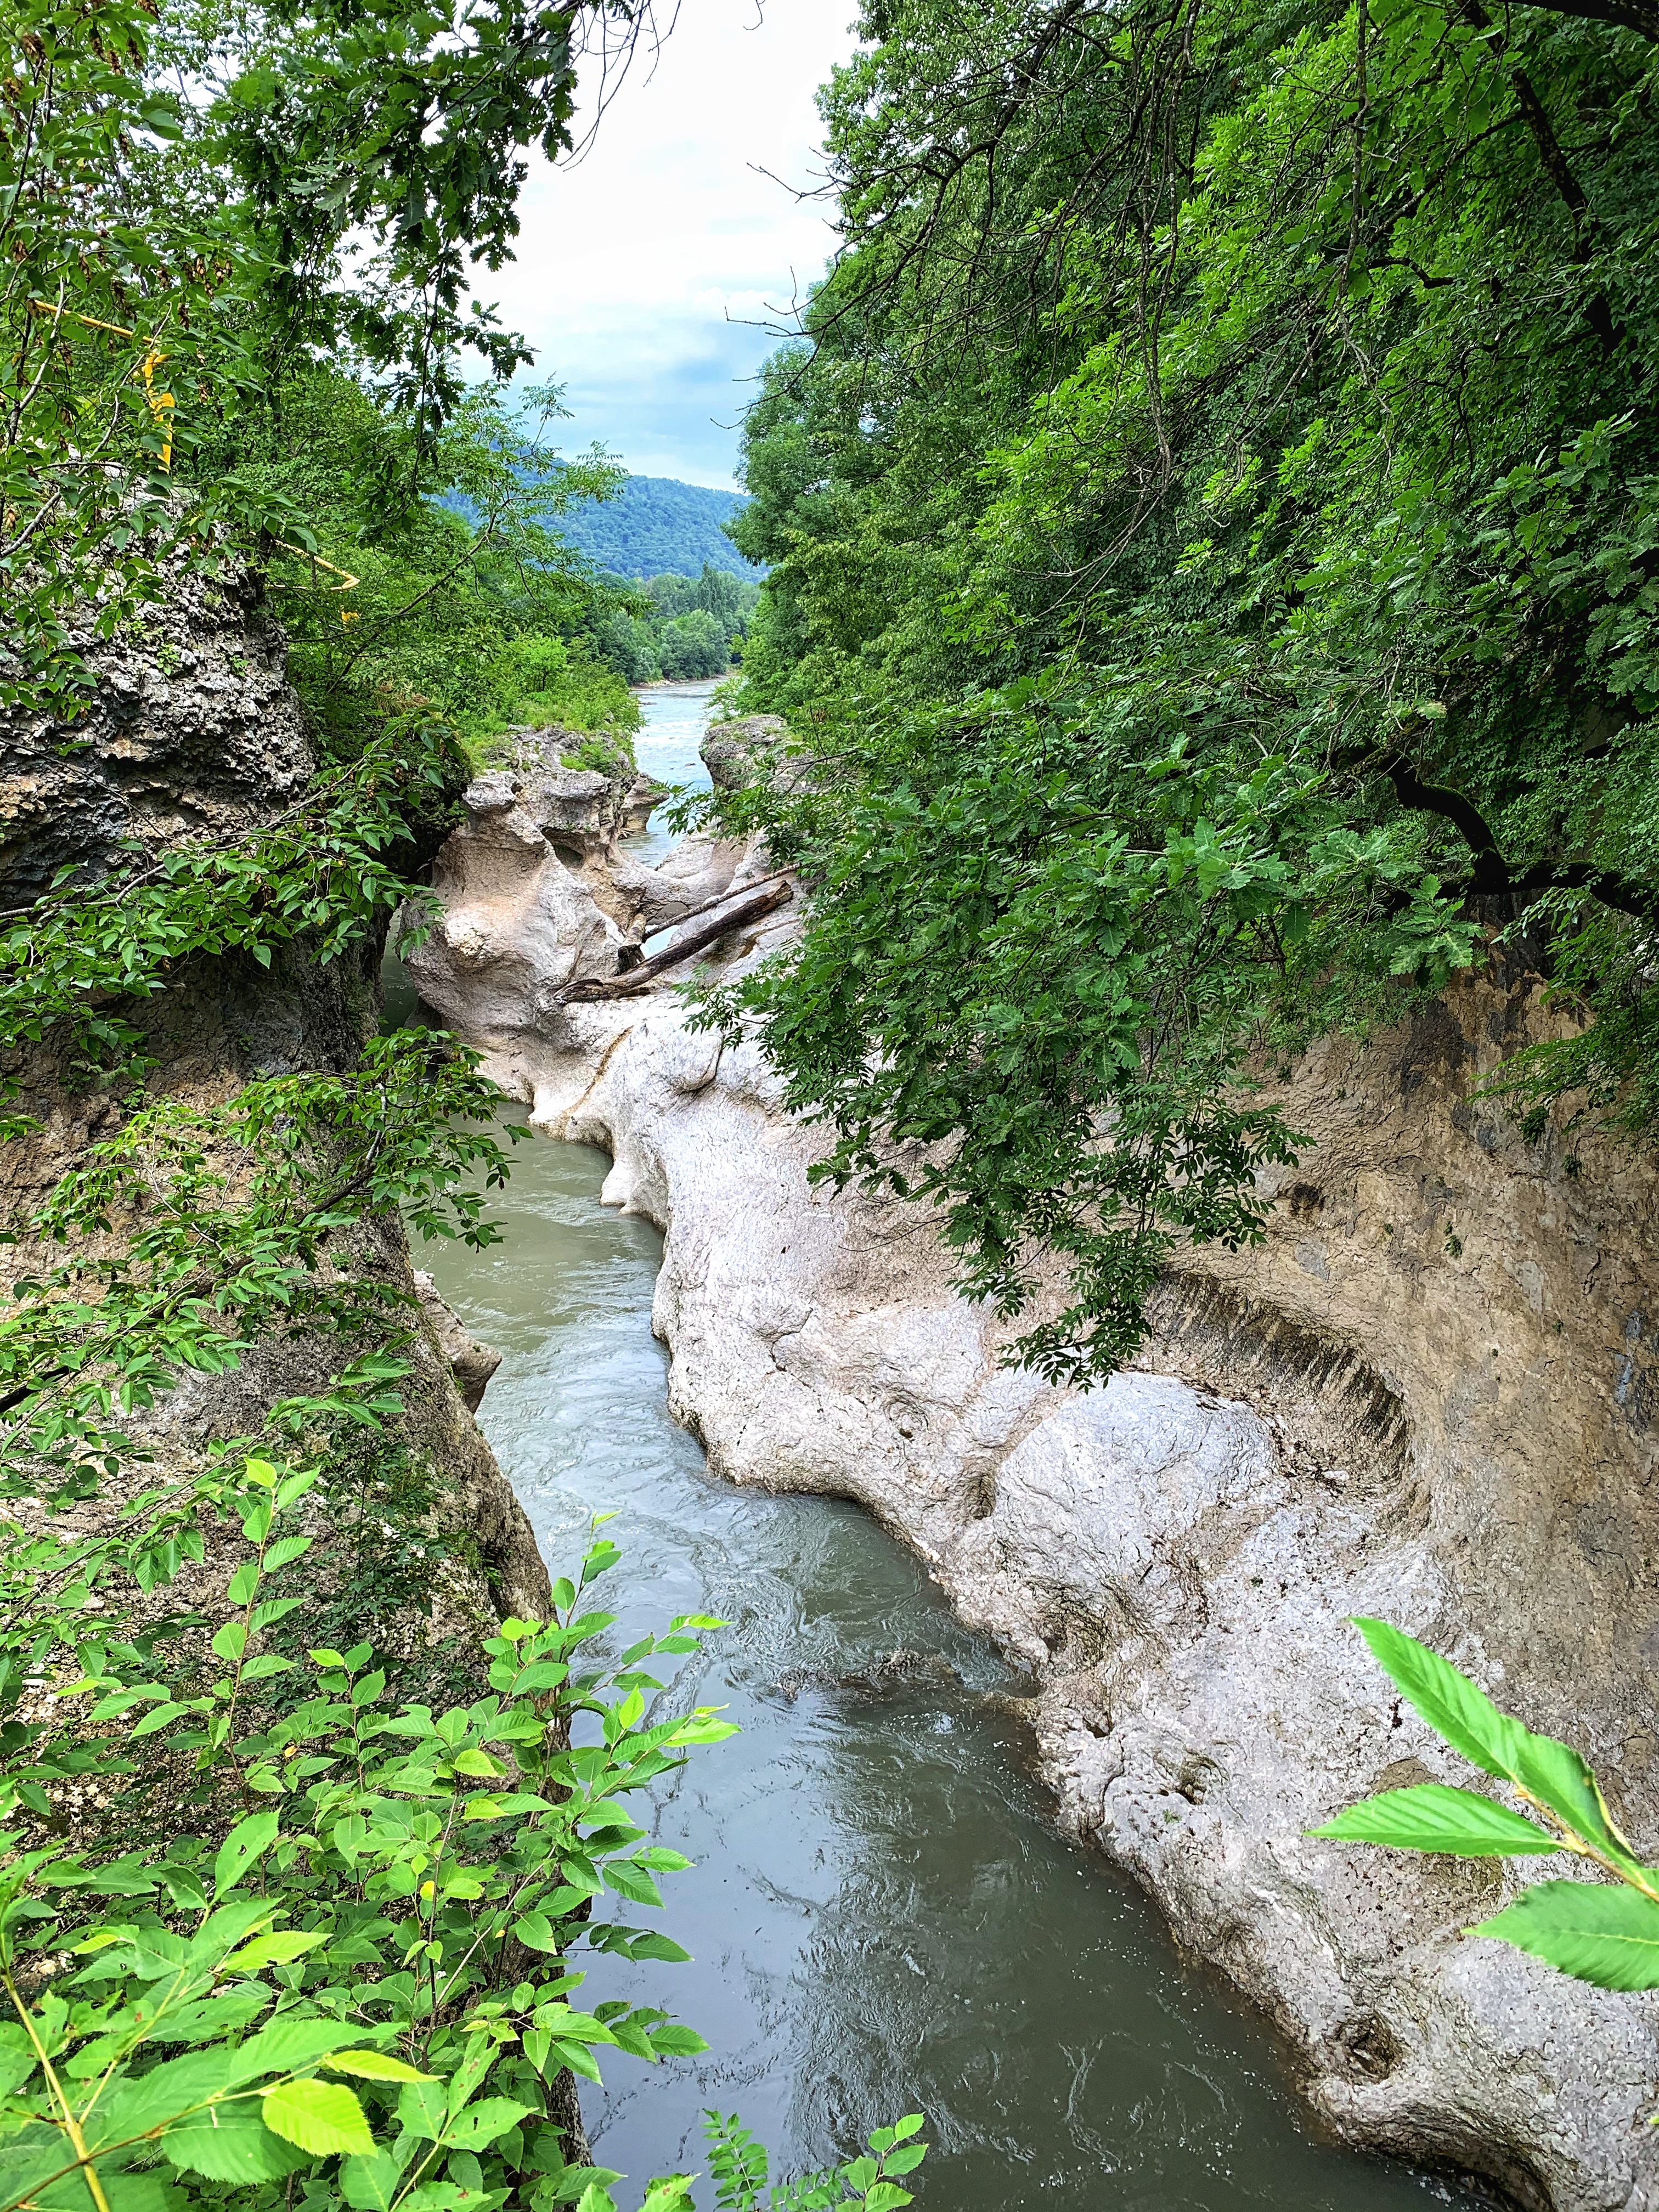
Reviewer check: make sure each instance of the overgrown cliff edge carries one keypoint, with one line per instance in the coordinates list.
(1427, 1397)
(192, 733)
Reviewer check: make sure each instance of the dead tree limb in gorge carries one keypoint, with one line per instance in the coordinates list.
(640, 978)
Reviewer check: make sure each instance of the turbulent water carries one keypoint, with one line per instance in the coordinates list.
(666, 747)
(882, 1918)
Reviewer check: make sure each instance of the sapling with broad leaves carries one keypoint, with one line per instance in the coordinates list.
(1604, 1932)
(364, 1997)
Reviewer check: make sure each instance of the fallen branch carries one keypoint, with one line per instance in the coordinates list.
(639, 979)
(709, 905)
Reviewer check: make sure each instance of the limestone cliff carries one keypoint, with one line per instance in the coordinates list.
(192, 728)
(1427, 1397)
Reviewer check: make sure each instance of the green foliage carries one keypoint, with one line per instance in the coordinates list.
(741, 2171)
(1606, 1936)
(174, 265)
(99, 320)
(468, 606)
(1211, 519)
(324, 1939)
(675, 626)
(322, 872)
(404, 1911)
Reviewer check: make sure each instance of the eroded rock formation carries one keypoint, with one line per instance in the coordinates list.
(193, 729)
(1427, 1397)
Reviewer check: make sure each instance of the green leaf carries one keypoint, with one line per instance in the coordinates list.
(285, 1551)
(230, 2142)
(157, 1717)
(1555, 1775)
(423, 2110)
(652, 1944)
(885, 2196)
(670, 2194)
(280, 1948)
(1447, 1701)
(166, 2094)
(370, 2185)
(323, 2117)
(480, 2123)
(1551, 1772)
(214, 2019)
(1591, 1931)
(376, 2066)
(272, 1610)
(123, 2192)
(1429, 1817)
(287, 2045)
(632, 1882)
(478, 1763)
(248, 1841)
(536, 1932)
(671, 2040)
(230, 1642)
(576, 2056)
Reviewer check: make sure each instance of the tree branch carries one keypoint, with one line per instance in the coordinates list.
(1597, 313)
(1492, 874)
(636, 978)
(1617, 14)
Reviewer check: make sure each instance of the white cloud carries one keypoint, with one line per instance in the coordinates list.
(643, 268)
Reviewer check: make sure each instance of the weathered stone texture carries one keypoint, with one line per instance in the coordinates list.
(193, 729)
(1427, 1397)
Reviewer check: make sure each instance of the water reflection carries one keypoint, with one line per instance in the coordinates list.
(882, 1918)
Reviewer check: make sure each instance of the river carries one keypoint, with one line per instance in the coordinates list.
(883, 1916)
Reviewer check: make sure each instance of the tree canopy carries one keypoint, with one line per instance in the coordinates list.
(1214, 527)
(238, 246)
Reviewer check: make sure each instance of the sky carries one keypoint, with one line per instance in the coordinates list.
(643, 268)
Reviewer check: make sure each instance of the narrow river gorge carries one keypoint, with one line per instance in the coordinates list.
(884, 1916)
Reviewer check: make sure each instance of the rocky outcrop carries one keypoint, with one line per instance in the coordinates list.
(1428, 1395)
(192, 730)
(736, 752)
(527, 910)
(470, 1363)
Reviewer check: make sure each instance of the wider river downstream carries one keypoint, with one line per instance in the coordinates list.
(882, 1918)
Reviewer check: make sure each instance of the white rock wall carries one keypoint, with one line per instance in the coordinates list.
(1177, 1565)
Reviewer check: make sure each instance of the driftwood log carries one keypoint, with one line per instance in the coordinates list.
(641, 976)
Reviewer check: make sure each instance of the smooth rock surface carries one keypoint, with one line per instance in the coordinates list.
(1317, 1429)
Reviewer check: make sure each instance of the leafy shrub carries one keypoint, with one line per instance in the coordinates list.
(1606, 1935)
(365, 1993)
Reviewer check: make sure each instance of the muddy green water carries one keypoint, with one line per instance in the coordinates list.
(883, 1917)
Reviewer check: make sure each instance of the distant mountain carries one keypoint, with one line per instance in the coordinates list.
(656, 526)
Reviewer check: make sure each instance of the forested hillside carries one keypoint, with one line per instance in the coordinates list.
(654, 525)
(1214, 513)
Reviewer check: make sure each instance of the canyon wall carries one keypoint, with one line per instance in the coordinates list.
(1426, 1397)
(191, 731)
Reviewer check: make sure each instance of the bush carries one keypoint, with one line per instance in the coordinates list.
(364, 1992)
